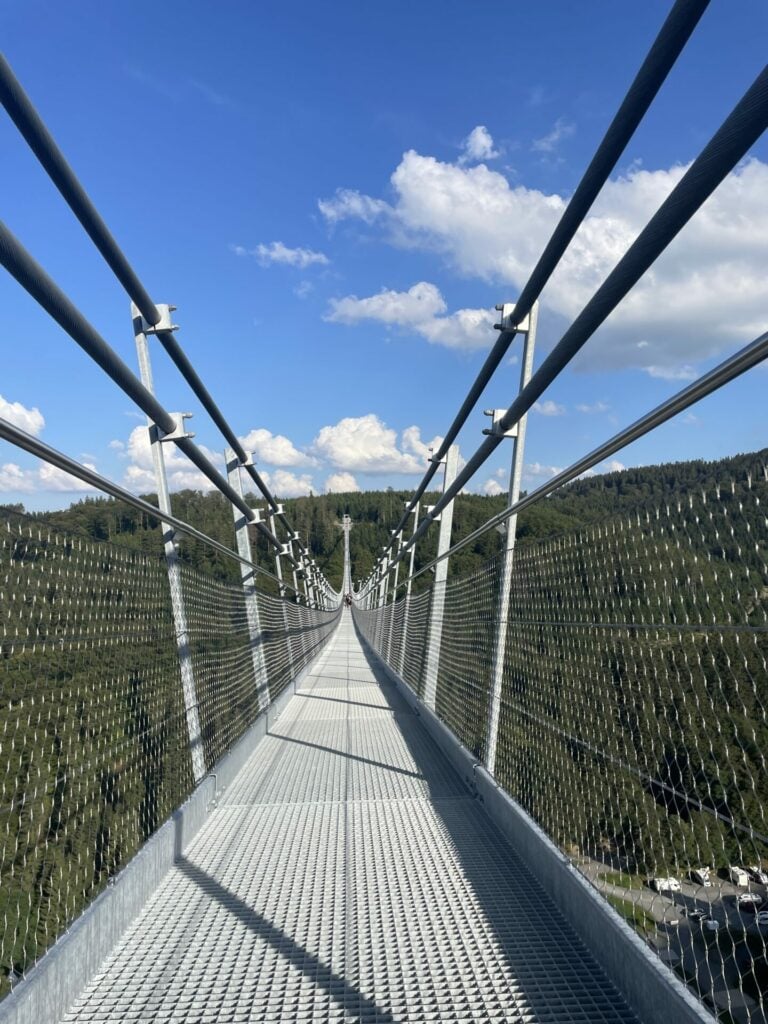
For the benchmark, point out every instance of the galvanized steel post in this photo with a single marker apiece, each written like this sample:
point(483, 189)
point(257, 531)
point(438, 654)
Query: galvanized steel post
point(285, 550)
point(438, 588)
point(156, 438)
point(249, 584)
point(408, 585)
point(517, 433)
point(388, 658)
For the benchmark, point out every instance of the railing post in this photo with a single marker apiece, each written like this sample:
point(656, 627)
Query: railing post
point(156, 438)
point(248, 577)
point(438, 591)
point(408, 585)
point(399, 543)
point(527, 327)
point(273, 515)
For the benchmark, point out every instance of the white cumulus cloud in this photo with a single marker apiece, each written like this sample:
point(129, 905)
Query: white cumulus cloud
point(548, 143)
point(420, 309)
point(706, 293)
point(285, 484)
point(181, 473)
point(274, 449)
point(348, 204)
point(16, 480)
point(549, 408)
point(492, 487)
point(29, 420)
point(367, 445)
point(478, 146)
point(278, 252)
point(341, 483)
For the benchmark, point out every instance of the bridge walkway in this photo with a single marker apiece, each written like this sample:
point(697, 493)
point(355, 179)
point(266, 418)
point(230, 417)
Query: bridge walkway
point(348, 875)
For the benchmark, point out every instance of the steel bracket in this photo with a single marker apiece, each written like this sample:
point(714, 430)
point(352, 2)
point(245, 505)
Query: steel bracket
point(507, 323)
point(165, 323)
point(248, 460)
point(257, 516)
point(437, 517)
point(495, 428)
point(179, 431)
point(284, 549)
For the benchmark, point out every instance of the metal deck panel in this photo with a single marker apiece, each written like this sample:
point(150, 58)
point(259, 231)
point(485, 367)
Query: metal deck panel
point(347, 875)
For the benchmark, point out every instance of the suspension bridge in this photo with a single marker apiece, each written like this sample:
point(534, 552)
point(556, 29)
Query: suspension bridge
point(422, 797)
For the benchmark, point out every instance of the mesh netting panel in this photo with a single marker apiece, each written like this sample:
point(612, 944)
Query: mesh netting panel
point(280, 652)
point(400, 637)
point(633, 722)
point(93, 735)
point(94, 739)
point(466, 654)
point(222, 661)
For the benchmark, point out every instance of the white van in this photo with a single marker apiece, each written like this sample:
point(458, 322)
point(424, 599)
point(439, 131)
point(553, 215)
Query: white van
point(737, 875)
point(664, 884)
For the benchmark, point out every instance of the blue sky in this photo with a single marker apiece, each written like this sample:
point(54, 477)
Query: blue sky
point(336, 195)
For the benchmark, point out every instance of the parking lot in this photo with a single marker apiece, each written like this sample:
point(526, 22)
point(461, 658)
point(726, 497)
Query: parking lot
point(718, 964)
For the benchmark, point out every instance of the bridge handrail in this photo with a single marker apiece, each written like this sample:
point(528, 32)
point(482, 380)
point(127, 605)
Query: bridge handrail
point(730, 143)
point(731, 368)
point(661, 58)
point(38, 283)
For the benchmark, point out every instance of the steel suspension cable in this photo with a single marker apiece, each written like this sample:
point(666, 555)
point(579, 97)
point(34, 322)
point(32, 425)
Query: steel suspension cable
point(732, 141)
point(29, 123)
point(34, 279)
point(18, 437)
point(666, 48)
point(736, 365)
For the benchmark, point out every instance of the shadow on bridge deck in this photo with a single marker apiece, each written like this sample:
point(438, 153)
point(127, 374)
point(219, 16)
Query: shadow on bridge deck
point(348, 875)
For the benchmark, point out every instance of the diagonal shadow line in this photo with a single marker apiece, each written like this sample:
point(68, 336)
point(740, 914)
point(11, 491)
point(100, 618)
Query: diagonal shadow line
point(319, 973)
point(352, 757)
point(355, 703)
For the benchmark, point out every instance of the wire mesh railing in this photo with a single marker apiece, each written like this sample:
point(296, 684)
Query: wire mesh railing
point(94, 740)
point(633, 723)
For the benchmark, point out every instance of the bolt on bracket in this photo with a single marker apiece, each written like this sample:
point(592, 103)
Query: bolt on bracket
point(507, 323)
point(497, 416)
point(179, 431)
point(165, 323)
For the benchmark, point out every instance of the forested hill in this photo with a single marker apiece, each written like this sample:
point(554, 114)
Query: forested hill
point(375, 513)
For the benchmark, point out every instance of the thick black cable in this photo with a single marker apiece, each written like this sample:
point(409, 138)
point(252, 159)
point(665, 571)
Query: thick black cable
point(731, 368)
point(23, 114)
point(18, 437)
point(31, 276)
point(668, 45)
point(42, 144)
point(732, 141)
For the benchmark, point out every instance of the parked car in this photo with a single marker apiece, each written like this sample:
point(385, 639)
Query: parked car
point(749, 906)
point(745, 899)
point(757, 874)
point(737, 875)
point(700, 876)
point(664, 884)
point(703, 919)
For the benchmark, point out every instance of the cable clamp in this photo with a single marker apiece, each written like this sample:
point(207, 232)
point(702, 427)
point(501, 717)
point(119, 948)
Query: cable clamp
point(165, 323)
point(507, 323)
point(179, 431)
point(495, 429)
point(438, 517)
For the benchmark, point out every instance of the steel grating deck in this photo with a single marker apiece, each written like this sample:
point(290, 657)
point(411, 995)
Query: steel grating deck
point(346, 876)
